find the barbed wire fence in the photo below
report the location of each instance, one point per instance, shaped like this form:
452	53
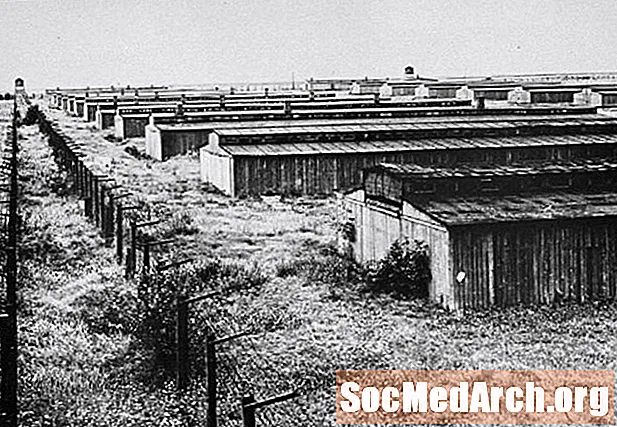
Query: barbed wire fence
205	340
9	245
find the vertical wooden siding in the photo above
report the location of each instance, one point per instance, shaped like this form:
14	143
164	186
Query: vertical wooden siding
536	263
379	226
174	143
322	174
135	126
216	169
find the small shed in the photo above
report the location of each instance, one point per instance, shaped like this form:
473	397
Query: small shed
535	233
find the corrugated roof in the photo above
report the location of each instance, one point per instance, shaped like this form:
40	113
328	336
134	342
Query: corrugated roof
500	209
414	145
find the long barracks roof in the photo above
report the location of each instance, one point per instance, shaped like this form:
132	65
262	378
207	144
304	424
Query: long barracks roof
434	115
305	108
423	144
469	170
446	123
500	209
261	124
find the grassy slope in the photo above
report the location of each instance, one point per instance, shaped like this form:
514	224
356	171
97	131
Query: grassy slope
319	327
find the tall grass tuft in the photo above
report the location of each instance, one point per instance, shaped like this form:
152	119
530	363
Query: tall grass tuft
158	296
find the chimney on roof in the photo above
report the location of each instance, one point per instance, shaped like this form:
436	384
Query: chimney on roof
180	110
409	71
481	103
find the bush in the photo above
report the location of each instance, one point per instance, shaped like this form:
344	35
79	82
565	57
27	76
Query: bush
405	271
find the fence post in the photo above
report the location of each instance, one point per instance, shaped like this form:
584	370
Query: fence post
76	177
95	199
101	210
132	250
248	410
145	269
182	346
182	343
106	209
211	380
249	405
119	232
88	193
82	178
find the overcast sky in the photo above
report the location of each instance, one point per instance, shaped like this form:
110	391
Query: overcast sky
100	42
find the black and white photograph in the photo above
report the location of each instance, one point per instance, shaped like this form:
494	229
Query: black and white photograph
276	213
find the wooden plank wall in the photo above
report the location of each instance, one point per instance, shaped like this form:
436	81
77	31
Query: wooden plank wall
174	143
551	97
323	174
416	225
216	169
378	226
536	263
442	92
609	100
491	95
104	120
153	143
90	112
134	126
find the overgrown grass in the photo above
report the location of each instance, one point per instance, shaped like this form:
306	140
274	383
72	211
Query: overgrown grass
307	310
79	363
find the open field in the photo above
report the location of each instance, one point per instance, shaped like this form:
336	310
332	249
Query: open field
82	364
